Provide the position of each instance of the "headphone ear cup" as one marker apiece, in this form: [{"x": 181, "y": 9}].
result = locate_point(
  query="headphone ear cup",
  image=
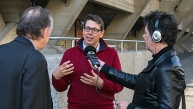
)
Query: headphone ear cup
[{"x": 156, "y": 36}]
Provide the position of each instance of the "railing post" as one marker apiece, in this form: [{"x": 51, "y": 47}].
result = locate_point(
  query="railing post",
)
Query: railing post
[
  {"x": 121, "y": 46},
  {"x": 136, "y": 46},
  {"x": 73, "y": 43}
]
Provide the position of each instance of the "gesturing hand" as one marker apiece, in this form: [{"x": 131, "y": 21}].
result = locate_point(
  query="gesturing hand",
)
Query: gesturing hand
[
  {"x": 65, "y": 69},
  {"x": 92, "y": 79}
]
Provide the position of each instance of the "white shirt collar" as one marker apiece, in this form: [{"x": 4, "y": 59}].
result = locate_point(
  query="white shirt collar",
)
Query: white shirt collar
[{"x": 97, "y": 49}]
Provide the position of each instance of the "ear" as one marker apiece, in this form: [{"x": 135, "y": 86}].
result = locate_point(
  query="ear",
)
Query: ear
[
  {"x": 45, "y": 32},
  {"x": 102, "y": 33}
]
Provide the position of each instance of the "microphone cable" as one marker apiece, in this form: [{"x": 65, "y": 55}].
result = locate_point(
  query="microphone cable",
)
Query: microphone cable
[
  {"x": 95, "y": 66},
  {"x": 100, "y": 93},
  {"x": 97, "y": 87}
]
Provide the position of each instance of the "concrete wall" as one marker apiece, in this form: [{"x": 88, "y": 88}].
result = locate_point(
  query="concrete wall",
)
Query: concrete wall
[
  {"x": 126, "y": 6},
  {"x": 2, "y": 24},
  {"x": 8, "y": 34},
  {"x": 132, "y": 62}
]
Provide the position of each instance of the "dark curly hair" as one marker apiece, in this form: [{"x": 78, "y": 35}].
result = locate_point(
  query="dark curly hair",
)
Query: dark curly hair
[
  {"x": 167, "y": 25},
  {"x": 32, "y": 21}
]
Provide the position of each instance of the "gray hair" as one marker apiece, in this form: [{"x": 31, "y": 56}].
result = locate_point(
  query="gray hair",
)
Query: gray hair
[{"x": 32, "y": 21}]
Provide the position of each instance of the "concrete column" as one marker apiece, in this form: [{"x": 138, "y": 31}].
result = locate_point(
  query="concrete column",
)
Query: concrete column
[
  {"x": 168, "y": 5},
  {"x": 186, "y": 23},
  {"x": 122, "y": 5},
  {"x": 182, "y": 9},
  {"x": 64, "y": 16},
  {"x": 186, "y": 38},
  {"x": 122, "y": 23},
  {"x": 2, "y": 24}
]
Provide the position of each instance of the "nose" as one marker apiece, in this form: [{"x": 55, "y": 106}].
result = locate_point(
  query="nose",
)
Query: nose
[{"x": 90, "y": 31}]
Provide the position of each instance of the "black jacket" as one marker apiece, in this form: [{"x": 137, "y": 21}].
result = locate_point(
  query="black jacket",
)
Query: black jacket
[
  {"x": 158, "y": 86},
  {"x": 23, "y": 76}
]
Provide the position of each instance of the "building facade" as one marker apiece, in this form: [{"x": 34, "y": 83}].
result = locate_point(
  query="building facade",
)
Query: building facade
[{"x": 122, "y": 18}]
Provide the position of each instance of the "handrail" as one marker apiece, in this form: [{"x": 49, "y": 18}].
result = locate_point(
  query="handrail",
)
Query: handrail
[{"x": 115, "y": 40}]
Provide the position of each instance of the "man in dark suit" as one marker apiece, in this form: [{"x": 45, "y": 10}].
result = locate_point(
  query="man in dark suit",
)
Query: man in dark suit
[{"x": 24, "y": 81}]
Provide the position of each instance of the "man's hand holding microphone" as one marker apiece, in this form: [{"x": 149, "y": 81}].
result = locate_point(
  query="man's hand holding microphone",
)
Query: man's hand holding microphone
[{"x": 99, "y": 67}]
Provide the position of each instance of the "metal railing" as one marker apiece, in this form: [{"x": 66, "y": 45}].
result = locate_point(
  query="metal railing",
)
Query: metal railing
[{"x": 73, "y": 39}]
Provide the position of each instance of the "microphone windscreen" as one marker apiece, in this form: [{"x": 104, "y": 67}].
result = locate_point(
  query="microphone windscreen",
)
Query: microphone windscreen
[{"x": 89, "y": 48}]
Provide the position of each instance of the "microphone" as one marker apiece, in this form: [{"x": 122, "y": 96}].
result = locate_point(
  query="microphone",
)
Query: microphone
[{"x": 90, "y": 52}]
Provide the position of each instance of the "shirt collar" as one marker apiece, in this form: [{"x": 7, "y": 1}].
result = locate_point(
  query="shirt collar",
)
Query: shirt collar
[
  {"x": 30, "y": 41},
  {"x": 97, "y": 49}
]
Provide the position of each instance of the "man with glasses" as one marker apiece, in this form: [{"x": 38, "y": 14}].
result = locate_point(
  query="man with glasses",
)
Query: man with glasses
[{"x": 75, "y": 71}]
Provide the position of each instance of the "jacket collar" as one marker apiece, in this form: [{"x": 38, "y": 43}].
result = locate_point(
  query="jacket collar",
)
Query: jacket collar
[
  {"x": 23, "y": 40},
  {"x": 159, "y": 58},
  {"x": 167, "y": 48}
]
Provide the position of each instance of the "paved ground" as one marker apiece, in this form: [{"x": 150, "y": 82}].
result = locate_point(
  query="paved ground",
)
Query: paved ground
[{"x": 187, "y": 64}]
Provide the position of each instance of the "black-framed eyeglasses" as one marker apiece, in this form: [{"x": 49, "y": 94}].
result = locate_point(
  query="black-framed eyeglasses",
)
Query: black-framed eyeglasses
[{"x": 94, "y": 30}]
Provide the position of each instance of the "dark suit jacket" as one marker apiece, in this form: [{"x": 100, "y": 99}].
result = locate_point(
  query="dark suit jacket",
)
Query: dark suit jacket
[{"x": 24, "y": 80}]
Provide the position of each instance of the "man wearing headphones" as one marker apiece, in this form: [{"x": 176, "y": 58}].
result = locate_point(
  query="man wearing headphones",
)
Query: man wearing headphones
[{"x": 161, "y": 84}]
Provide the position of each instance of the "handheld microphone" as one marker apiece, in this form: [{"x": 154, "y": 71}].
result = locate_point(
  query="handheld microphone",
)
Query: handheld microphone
[{"x": 90, "y": 52}]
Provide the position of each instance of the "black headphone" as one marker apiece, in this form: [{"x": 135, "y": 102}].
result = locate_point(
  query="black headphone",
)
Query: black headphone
[{"x": 156, "y": 36}]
